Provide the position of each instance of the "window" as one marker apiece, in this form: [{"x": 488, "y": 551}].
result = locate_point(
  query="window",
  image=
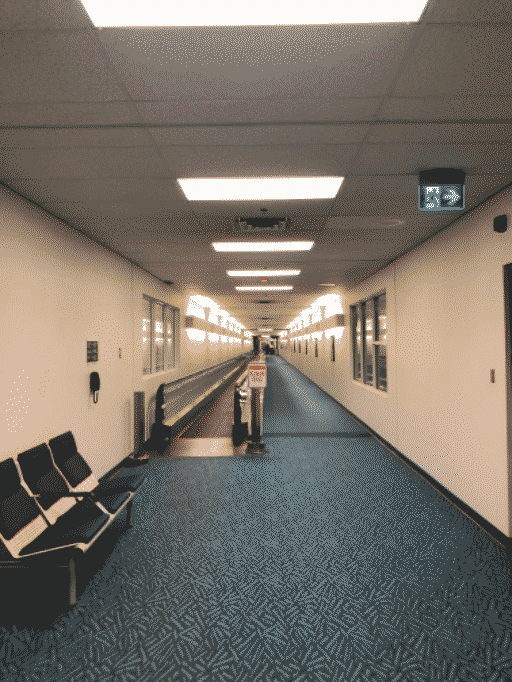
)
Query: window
[
  {"x": 159, "y": 322},
  {"x": 316, "y": 348},
  {"x": 369, "y": 341}
]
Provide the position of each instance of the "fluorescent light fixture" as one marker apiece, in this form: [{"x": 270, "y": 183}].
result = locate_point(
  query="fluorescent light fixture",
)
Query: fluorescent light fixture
[
  {"x": 262, "y": 273},
  {"x": 262, "y": 13},
  {"x": 259, "y": 189},
  {"x": 262, "y": 246},
  {"x": 263, "y": 288}
]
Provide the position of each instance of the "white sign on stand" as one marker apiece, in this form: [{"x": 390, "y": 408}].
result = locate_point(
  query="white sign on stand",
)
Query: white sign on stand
[{"x": 257, "y": 375}]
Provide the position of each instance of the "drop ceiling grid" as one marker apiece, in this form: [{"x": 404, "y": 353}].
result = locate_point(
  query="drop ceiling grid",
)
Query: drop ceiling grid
[{"x": 119, "y": 183}]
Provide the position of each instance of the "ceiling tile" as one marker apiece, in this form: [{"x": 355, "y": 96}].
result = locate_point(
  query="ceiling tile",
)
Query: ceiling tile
[
  {"x": 129, "y": 213},
  {"x": 258, "y": 134},
  {"x": 257, "y": 110},
  {"x": 68, "y": 114},
  {"x": 470, "y": 10},
  {"x": 43, "y": 66},
  {"x": 378, "y": 222},
  {"x": 75, "y": 137},
  {"x": 233, "y": 209},
  {"x": 438, "y": 109},
  {"x": 427, "y": 133},
  {"x": 352, "y": 276},
  {"x": 44, "y": 14},
  {"x": 474, "y": 159},
  {"x": 104, "y": 189},
  {"x": 459, "y": 61},
  {"x": 358, "y": 247},
  {"x": 259, "y": 160},
  {"x": 140, "y": 162},
  {"x": 390, "y": 195},
  {"x": 246, "y": 62}
]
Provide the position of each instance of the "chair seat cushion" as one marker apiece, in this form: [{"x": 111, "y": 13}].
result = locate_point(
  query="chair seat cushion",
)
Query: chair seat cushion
[
  {"x": 128, "y": 482},
  {"x": 113, "y": 502},
  {"x": 79, "y": 525}
]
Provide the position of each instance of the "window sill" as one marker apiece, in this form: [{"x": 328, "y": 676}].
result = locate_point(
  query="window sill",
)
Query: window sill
[
  {"x": 371, "y": 389},
  {"x": 158, "y": 374}
]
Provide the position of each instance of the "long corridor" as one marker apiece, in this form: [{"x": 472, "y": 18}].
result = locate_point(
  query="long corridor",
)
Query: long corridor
[{"x": 326, "y": 559}]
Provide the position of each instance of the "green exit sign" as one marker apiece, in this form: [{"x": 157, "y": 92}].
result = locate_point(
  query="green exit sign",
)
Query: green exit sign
[
  {"x": 441, "y": 189},
  {"x": 441, "y": 197}
]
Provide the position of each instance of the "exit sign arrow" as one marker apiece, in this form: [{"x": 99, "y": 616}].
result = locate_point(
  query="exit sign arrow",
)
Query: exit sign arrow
[{"x": 451, "y": 196}]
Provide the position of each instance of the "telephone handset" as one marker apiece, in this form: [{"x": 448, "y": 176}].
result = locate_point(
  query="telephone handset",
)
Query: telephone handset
[{"x": 95, "y": 385}]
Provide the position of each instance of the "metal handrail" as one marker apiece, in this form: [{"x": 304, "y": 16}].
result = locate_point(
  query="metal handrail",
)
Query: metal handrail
[{"x": 172, "y": 386}]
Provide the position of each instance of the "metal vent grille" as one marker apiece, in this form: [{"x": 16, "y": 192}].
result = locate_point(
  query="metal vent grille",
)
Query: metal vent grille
[{"x": 253, "y": 225}]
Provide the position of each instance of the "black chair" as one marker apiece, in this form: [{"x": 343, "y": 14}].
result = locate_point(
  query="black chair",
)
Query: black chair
[
  {"x": 18, "y": 510},
  {"x": 26, "y": 537},
  {"x": 78, "y": 473},
  {"x": 52, "y": 523},
  {"x": 52, "y": 491}
]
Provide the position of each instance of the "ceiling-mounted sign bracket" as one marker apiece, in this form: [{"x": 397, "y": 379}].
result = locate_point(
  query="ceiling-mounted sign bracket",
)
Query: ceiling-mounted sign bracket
[{"x": 441, "y": 189}]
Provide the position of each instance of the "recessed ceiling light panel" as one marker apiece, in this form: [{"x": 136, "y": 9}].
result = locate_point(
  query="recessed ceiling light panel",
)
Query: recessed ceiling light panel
[
  {"x": 262, "y": 13},
  {"x": 256, "y": 189},
  {"x": 262, "y": 246},
  {"x": 262, "y": 273},
  {"x": 263, "y": 288}
]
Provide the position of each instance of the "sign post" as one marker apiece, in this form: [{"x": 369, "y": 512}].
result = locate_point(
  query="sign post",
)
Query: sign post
[{"x": 257, "y": 383}]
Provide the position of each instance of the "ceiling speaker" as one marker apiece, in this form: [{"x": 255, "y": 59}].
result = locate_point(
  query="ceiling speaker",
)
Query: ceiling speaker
[{"x": 500, "y": 223}]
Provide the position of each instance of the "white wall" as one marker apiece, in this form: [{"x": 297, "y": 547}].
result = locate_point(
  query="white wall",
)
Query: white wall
[
  {"x": 58, "y": 290},
  {"x": 446, "y": 321}
]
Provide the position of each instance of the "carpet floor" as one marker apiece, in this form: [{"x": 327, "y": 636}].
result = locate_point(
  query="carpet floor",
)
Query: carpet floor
[{"x": 326, "y": 559}]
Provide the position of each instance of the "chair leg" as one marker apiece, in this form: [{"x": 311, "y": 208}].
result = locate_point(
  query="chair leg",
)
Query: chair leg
[
  {"x": 72, "y": 581},
  {"x": 129, "y": 510}
]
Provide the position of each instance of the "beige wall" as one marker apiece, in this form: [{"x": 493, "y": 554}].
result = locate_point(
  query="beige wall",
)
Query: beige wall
[
  {"x": 59, "y": 289},
  {"x": 446, "y": 325}
]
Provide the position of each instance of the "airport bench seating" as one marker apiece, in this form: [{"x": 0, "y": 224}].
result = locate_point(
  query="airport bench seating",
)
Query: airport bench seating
[
  {"x": 44, "y": 519},
  {"x": 78, "y": 473}
]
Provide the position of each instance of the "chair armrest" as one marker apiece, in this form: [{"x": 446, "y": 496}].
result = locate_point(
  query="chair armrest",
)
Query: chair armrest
[{"x": 68, "y": 494}]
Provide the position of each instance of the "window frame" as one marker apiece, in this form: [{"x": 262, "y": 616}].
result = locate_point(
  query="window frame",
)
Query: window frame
[
  {"x": 170, "y": 314},
  {"x": 358, "y": 313}
]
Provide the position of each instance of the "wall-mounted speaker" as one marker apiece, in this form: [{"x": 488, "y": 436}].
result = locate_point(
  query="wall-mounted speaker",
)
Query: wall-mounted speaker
[{"x": 500, "y": 223}]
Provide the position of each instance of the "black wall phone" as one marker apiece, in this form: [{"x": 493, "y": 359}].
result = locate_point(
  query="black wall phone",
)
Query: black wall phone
[{"x": 95, "y": 385}]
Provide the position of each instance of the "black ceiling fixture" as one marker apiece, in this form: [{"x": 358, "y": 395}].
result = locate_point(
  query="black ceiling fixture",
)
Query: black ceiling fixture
[
  {"x": 264, "y": 301},
  {"x": 259, "y": 224}
]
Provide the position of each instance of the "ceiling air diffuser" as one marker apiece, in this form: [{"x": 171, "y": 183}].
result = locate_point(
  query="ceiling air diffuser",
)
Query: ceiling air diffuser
[{"x": 259, "y": 225}]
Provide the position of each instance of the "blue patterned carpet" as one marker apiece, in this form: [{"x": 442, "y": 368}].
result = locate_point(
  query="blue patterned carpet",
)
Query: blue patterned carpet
[{"x": 326, "y": 559}]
